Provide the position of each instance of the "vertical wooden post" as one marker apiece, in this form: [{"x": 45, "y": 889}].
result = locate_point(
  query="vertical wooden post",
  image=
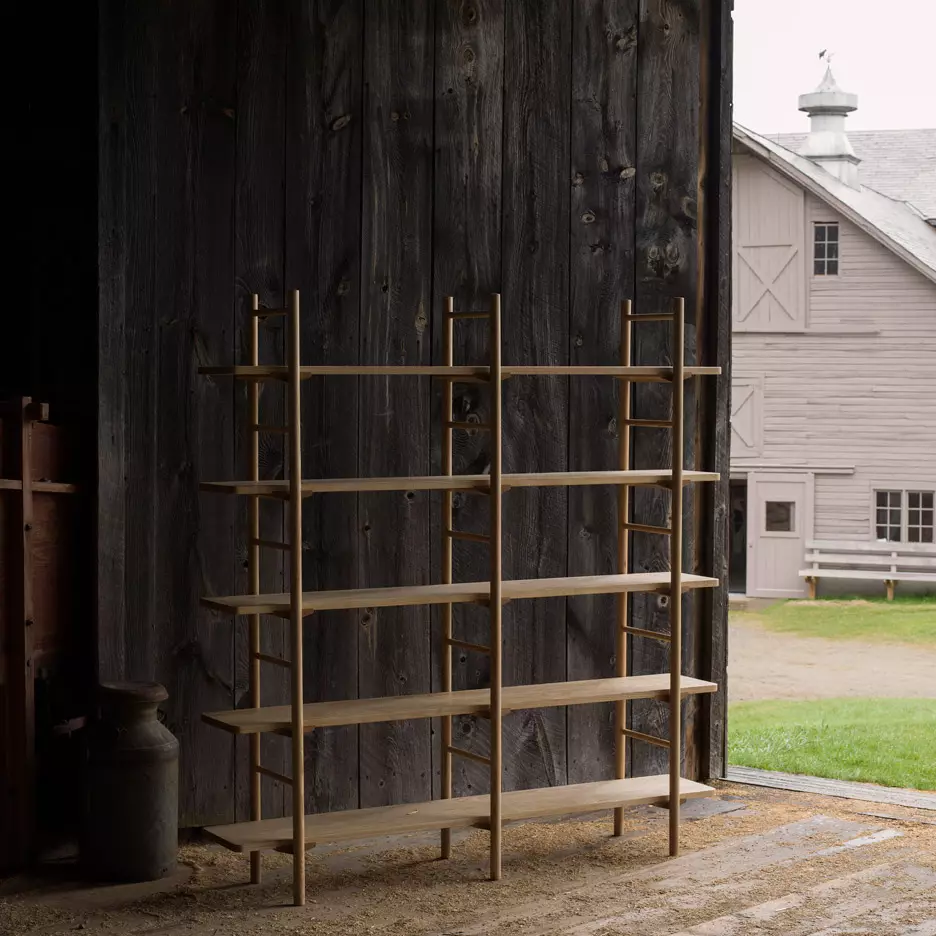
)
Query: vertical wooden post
[
  {"x": 675, "y": 602},
  {"x": 623, "y": 558},
  {"x": 496, "y": 605},
  {"x": 447, "y": 565},
  {"x": 253, "y": 573},
  {"x": 21, "y": 674},
  {"x": 295, "y": 603}
]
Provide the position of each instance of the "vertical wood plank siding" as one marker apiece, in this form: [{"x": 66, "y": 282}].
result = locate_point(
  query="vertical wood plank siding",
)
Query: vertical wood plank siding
[
  {"x": 604, "y": 124},
  {"x": 377, "y": 157}
]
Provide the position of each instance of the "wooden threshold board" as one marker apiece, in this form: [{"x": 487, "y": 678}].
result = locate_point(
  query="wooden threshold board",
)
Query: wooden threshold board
[
  {"x": 463, "y": 702},
  {"x": 456, "y": 593},
  {"x": 460, "y": 813},
  {"x": 652, "y": 374},
  {"x": 454, "y": 482}
]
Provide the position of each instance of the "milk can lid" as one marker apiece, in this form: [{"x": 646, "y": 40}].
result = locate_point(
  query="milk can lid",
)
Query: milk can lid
[{"x": 133, "y": 692}]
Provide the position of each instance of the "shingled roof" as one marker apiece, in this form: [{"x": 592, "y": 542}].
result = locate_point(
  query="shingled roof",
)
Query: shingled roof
[
  {"x": 898, "y": 163},
  {"x": 891, "y": 220}
]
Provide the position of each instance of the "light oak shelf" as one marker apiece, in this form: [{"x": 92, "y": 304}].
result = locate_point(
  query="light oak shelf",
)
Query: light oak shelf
[
  {"x": 456, "y": 482},
  {"x": 492, "y": 702},
  {"x": 639, "y": 374},
  {"x": 277, "y": 718},
  {"x": 463, "y": 812},
  {"x": 454, "y": 593}
]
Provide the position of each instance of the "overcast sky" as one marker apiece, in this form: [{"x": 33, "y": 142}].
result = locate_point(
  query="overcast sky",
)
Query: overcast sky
[{"x": 885, "y": 52}]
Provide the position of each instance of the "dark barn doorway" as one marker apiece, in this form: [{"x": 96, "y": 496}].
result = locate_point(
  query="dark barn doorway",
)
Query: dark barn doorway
[{"x": 737, "y": 559}]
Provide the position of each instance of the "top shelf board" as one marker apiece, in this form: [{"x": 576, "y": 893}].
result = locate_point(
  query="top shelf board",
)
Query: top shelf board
[
  {"x": 455, "y": 482},
  {"x": 642, "y": 374}
]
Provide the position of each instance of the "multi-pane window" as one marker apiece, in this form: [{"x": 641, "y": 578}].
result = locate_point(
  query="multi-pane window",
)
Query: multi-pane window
[
  {"x": 905, "y": 516},
  {"x": 889, "y": 508},
  {"x": 920, "y": 516},
  {"x": 826, "y": 248}
]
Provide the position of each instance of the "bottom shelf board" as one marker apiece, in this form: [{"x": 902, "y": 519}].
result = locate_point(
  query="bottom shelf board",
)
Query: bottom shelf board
[
  {"x": 459, "y": 813},
  {"x": 459, "y": 702}
]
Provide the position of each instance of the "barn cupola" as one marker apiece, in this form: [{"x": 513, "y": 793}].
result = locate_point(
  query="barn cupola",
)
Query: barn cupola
[{"x": 827, "y": 143}]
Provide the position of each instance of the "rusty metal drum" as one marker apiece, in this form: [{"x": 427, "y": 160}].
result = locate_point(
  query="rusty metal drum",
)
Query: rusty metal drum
[{"x": 131, "y": 817}]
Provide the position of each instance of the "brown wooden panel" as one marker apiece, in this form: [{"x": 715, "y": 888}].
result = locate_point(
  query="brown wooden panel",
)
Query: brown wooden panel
[
  {"x": 190, "y": 541},
  {"x": 110, "y": 518},
  {"x": 667, "y": 264},
  {"x": 467, "y": 264},
  {"x": 394, "y": 428},
  {"x": 323, "y": 261},
  {"x": 259, "y": 257},
  {"x": 603, "y": 127},
  {"x": 537, "y": 59},
  {"x": 713, "y": 426}
]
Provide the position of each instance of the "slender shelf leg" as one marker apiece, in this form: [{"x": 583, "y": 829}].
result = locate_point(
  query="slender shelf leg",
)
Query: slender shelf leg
[
  {"x": 253, "y": 573},
  {"x": 675, "y": 598},
  {"x": 295, "y": 604},
  {"x": 447, "y": 634},
  {"x": 496, "y": 605},
  {"x": 623, "y": 508}
]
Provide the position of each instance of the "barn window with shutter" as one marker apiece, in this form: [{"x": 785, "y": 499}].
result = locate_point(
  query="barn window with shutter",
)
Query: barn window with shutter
[{"x": 826, "y": 248}]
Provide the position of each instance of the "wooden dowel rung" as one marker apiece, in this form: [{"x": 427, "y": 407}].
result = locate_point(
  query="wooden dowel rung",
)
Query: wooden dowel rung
[
  {"x": 468, "y": 315},
  {"x": 266, "y": 772},
  {"x": 270, "y": 544},
  {"x": 649, "y": 423},
  {"x": 470, "y": 537},
  {"x": 259, "y": 427},
  {"x": 647, "y": 528},
  {"x": 653, "y": 317},
  {"x": 461, "y": 752},
  {"x": 275, "y": 660},
  {"x": 640, "y": 736},
  {"x": 468, "y": 425},
  {"x": 643, "y": 632},
  {"x": 466, "y": 645}
]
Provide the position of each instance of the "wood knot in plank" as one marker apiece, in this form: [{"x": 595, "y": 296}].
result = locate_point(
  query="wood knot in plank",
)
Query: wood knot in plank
[
  {"x": 339, "y": 123},
  {"x": 627, "y": 40},
  {"x": 626, "y": 172},
  {"x": 578, "y": 179},
  {"x": 588, "y": 217},
  {"x": 469, "y": 14}
]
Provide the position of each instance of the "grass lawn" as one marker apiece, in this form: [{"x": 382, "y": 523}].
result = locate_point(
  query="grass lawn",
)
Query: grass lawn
[
  {"x": 904, "y": 620},
  {"x": 886, "y": 741}
]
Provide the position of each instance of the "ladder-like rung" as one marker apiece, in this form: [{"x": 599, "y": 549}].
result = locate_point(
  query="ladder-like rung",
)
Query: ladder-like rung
[
  {"x": 274, "y": 775},
  {"x": 649, "y": 738},
  {"x": 468, "y": 425},
  {"x": 647, "y": 528},
  {"x": 461, "y": 752},
  {"x": 270, "y": 544},
  {"x": 468, "y": 315},
  {"x": 651, "y": 317},
  {"x": 470, "y": 537},
  {"x": 270, "y": 313},
  {"x": 649, "y": 423},
  {"x": 643, "y": 632},
  {"x": 467, "y": 645},
  {"x": 259, "y": 427},
  {"x": 275, "y": 660}
]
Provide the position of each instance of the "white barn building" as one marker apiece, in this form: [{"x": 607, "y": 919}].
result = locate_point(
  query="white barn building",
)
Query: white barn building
[{"x": 834, "y": 343}]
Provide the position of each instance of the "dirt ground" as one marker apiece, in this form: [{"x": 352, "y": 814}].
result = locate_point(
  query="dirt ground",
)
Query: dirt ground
[
  {"x": 755, "y": 862},
  {"x": 763, "y": 664}
]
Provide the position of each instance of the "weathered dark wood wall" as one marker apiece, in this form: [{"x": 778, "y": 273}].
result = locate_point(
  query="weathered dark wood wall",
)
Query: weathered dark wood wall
[{"x": 378, "y": 156}]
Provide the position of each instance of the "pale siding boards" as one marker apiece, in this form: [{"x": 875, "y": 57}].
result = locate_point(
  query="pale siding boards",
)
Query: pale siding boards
[
  {"x": 768, "y": 276},
  {"x": 856, "y": 390}
]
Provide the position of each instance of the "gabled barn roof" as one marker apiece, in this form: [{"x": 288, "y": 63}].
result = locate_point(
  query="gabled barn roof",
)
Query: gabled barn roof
[{"x": 897, "y": 225}]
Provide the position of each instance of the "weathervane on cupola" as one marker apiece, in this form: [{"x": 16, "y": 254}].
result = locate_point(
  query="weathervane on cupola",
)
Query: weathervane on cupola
[{"x": 827, "y": 144}]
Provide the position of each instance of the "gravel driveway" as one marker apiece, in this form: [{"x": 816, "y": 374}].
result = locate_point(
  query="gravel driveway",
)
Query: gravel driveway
[{"x": 763, "y": 664}]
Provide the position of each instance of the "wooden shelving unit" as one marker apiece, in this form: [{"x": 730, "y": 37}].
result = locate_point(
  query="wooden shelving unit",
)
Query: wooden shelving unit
[{"x": 492, "y": 810}]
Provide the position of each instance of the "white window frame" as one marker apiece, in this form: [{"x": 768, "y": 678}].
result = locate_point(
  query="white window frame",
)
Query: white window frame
[
  {"x": 824, "y": 260},
  {"x": 904, "y": 489}
]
